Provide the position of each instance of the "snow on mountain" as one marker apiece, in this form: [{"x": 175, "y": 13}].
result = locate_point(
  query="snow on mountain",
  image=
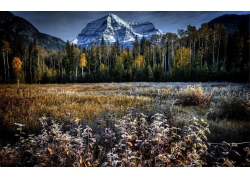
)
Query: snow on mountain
[
  {"x": 111, "y": 28},
  {"x": 74, "y": 41}
]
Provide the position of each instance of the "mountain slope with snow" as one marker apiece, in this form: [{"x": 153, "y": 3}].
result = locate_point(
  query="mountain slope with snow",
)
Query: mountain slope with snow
[{"x": 113, "y": 28}]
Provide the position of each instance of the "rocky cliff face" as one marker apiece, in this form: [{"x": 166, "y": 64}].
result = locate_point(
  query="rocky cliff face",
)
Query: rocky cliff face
[
  {"x": 113, "y": 28},
  {"x": 12, "y": 27}
]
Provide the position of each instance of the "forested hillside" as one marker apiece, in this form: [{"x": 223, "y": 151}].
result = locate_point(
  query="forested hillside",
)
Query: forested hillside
[{"x": 194, "y": 54}]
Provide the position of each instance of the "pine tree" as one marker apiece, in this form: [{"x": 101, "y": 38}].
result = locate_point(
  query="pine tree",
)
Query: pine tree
[
  {"x": 61, "y": 56},
  {"x": 118, "y": 71},
  {"x": 136, "y": 47},
  {"x": 6, "y": 50}
]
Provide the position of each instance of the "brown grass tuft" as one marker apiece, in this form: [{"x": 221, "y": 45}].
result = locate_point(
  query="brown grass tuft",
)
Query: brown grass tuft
[{"x": 194, "y": 96}]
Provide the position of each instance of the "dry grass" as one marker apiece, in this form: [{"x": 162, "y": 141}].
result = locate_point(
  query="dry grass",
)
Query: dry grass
[
  {"x": 236, "y": 109},
  {"x": 194, "y": 96},
  {"x": 231, "y": 131},
  {"x": 28, "y": 103},
  {"x": 93, "y": 102}
]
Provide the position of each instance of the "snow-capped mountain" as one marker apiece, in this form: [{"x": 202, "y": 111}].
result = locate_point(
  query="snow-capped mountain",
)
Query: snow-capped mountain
[{"x": 111, "y": 28}]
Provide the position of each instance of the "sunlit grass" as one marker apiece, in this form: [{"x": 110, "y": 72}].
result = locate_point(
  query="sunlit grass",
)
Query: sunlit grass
[
  {"x": 27, "y": 103},
  {"x": 90, "y": 103}
]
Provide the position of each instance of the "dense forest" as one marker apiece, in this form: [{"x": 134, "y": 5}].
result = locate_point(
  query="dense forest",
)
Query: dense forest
[{"x": 198, "y": 55}]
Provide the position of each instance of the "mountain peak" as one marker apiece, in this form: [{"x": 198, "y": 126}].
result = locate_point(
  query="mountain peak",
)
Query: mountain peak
[
  {"x": 111, "y": 15},
  {"x": 112, "y": 28}
]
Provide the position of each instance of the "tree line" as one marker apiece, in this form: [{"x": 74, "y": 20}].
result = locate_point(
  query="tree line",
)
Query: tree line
[{"x": 204, "y": 54}]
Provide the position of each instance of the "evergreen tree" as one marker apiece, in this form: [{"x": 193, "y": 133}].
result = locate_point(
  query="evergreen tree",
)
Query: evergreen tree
[
  {"x": 136, "y": 47},
  {"x": 118, "y": 71},
  {"x": 62, "y": 58},
  {"x": 6, "y": 50},
  {"x": 67, "y": 62},
  {"x": 143, "y": 46}
]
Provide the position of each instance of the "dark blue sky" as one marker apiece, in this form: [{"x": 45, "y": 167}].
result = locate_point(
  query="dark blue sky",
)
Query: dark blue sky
[
  {"x": 66, "y": 20},
  {"x": 68, "y": 24}
]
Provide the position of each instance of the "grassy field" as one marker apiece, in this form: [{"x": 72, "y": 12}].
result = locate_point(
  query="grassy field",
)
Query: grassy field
[{"x": 224, "y": 106}]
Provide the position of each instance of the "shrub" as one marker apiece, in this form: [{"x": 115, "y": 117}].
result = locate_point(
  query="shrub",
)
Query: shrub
[
  {"x": 232, "y": 109},
  {"x": 130, "y": 141},
  {"x": 194, "y": 96}
]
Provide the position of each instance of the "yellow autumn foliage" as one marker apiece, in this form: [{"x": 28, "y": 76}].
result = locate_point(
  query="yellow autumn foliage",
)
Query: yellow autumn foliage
[
  {"x": 139, "y": 61},
  {"x": 83, "y": 60},
  {"x": 17, "y": 66},
  {"x": 182, "y": 57}
]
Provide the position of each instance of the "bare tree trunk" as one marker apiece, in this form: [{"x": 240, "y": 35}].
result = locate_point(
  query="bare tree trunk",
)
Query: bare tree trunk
[
  {"x": 100, "y": 60},
  {"x": 25, "y": 65},
  {"x": 51, "y": 62},
  {"x": 172, "y": 55},
  {"x": 201, "y": 54},
  {"x": 4, "y": 67},
  {"x": 199, "y": 41},
  {"x": 165, "y": 61},
  {"x": 89, "y": 68},
  {"x": 108, "y": 57},
  {"x": 194, "y": 53},
  {"x": 162, "y": 60},
  {"x": 8, "y": 67},
  {"x": 59, "y": 68},
  {"x": 62, "y": 73},
  {"x": 191, "y": 62},
  {"x": 76, "y": 73},
  {"x": 148, "y": 55},
  {"x": 23, "y": 72},
  {"x": 169, "y": 60},
  {"x": 54, "y": 64},
  {"x": 225, "y": 53},
  {"x": 172, "y": 52},
  {"x": 213, "y": 51},
  {"x": 30, "y": 71},
  {"x": 153, "y": 56},
  {"x": 218, "y": 52},
  {"x": 82, "y": 71}
]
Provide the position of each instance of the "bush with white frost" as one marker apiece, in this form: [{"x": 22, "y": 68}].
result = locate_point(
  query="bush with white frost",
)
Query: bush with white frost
[{"x": 133, "y": 141}]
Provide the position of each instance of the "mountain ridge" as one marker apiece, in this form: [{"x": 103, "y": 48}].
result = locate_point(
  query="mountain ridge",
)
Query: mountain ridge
[
  {"x": 113, "y": 28},
  {"x": 12, "y": 27},
  {"x": 110, "y": 27},
  {"x": 230, "y": 21}
]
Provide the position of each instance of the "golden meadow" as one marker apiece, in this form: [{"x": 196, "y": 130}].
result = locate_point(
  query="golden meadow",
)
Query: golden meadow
[{"x": 225, "y": 107}]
